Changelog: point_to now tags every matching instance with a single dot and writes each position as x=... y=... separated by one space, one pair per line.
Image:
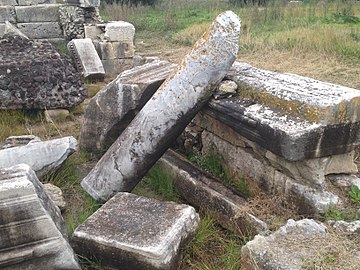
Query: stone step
x=208 y=193
x=132 y=232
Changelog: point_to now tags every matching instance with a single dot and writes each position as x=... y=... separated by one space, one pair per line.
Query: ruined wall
x=49 y=19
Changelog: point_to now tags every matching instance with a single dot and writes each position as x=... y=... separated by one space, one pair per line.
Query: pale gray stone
x=168 y=112
x=94 y=32
x=113 y=107
x=41 y=156
x=119 y=31
x=116 y=66
x=345 y=180
x=41 y=30
x=283 y=249
x=7 y=13
x=226 y=88
x=133 y=232
x=13 y=141
x=114 y=50
x=38 y=13
x=33 y=233
x=210 y=194
x=86 y=58
x=8 y=3
x=56 y=195
x=53 y=115
x=83 y=3
x=2 y=29
x=35 y=2
x=347 y=227
x=10 y=29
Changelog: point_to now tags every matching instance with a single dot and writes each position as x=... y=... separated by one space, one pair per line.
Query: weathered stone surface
x=112 y=108
x=290 y=137
x=72 y=19
x=119 y=31
x=168 y=112
x=8 y=2
x=53 y=115
x=38 y=13
x=32 y=231
x=10 y=29
x=86 y=58
x=132 y=232
x=35 y=2
x=94 y=32
x=283 y=249
x=83 y=3
x=7 y=13
x=116 y=66
x=2 y=29
x=347 y=227
x=13 y=141
x=41 y=30
x=314 y=100
x=208 y=193
x=225 y=89
x=249 y=163
x=114 y=50
x=344 y=180
x=56 y=195
x=33 y=75
x=42 y=157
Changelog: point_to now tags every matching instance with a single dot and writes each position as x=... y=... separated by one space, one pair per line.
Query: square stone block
x=133 y=232
x=119 y=31
x=38 y=13
x=114 y=50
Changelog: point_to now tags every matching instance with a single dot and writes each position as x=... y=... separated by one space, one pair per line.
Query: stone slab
x=38 y=13
x=114 y=50
x=286 y=136
x=7 y=13
x=32 y=230
x=35 y=2
x=205 y=192
x=112 y=108
x=41 y=30
x=119 y=31
x=86 y=58
x=168 y=112
x=314 y=100
x=42 y=157
x=133 y=232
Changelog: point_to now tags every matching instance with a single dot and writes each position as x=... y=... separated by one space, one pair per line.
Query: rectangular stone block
x=114 y=50
x=94 y=32
x=7 y=13
x=35 y=2
x=41 y=30
x=8 y=3
x=38 y=13
x=119 y=31
x=313 y=100
x=116 y=66
x=133 y=232
x=86 y=58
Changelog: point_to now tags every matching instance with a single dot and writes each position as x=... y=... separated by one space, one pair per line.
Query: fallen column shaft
x=168 y=112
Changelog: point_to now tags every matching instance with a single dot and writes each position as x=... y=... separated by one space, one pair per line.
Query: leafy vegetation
x=354 y=194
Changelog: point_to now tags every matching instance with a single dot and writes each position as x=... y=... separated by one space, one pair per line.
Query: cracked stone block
x=114 y=50
x=41 y=156
x=41 y=30
x=119 y=32
x=133 y=232
x=32 y=230
x=113 y=107
x=168 y=112
x=314 y=100
x=86 y=58
x=208 y=193
x=38 y=13
x=7 y=13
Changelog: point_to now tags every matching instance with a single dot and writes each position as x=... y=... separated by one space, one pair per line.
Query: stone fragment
x=41 y=30
x=10 y=29
x=32 y=230
x=114 y=50
x=35 y=2
x=56 y=195
x=119 y=31
x=112 y=108
x=344 y=180
x=225 y=89
x=133 y=232
x=53 y=115
x=314 y=100
x=35 y=76
x=208 y=193
x=42 y=157
x=167 y=113
x=86 y=58
x=38 y=13
x=7 y=13
x=347 y=227
x=13 y=141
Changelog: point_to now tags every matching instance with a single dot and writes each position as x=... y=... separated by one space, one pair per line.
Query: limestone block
x=132 y=232
x=119 y=31
x=292 y=138
x=56 y=195
x=32 y=230
x=114 y=50
x=285 y=248
x=35 y=2
x=42 y=157
x=86 y=58
x=8 y=3
x=112 y=108
x=7 y=13
x=38 y=13
x=116 y=66
x=94 y=32
x=168 y=112
x=41 y=30
x=314 y=100
x=83 y=3
x=208 y=193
